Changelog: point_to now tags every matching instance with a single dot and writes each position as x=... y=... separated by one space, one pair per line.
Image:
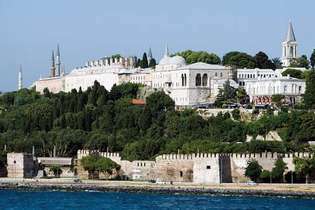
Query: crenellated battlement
x=83 y=153
x=264 y=155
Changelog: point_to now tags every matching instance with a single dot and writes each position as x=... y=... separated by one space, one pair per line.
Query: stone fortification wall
x=198 y=168
x=111 y=155
x=20 y=165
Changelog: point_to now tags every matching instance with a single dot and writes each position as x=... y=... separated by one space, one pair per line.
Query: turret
x=289 y=47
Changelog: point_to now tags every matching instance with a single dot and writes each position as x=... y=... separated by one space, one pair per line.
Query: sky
x=91 y=29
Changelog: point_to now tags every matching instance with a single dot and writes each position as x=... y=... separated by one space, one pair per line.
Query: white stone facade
x=187 y=85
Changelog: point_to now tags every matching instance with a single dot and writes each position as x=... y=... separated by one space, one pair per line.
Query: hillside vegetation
x=106 y=120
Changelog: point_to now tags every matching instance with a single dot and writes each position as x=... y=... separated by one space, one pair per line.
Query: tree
x=277 y=62
x=265 y=176
x=239 y=60
x=278 y=170
x=277 y=99
x=56 y=170
x=242 y=96
x=3 y=159
x=309 y=95
x=253 y=170
x=226 y=95
x=158 y=103
x=144 y=62
x=236 y=114
x=199 y=56
x=304 y=166
x=301 y=62
x=95 y=163
x=294 y=73
x=152 y=63
x=312 y=59
x=263 y=62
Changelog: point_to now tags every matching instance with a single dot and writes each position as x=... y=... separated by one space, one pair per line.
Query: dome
x=165 y=60
x=176 y=60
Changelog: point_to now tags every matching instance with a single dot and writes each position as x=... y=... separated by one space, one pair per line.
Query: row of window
x=201 y=81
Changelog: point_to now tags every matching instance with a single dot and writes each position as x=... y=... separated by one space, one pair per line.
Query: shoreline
x=292 y=190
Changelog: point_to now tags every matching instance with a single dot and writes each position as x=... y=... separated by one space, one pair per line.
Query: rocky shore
x=296 y=190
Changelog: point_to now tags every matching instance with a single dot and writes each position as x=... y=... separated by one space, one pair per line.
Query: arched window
x=291 y=51
x=221 y=74
x=204 y=80
x=183 y=80
x=198 y=80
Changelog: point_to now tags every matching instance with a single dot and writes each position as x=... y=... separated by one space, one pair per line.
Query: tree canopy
x=294 y=73
x=239 y=60
x=95 y=163
x=199 y=56
x=253 y=170
x=309 y=95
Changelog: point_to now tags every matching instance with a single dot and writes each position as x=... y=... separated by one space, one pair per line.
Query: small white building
x=261 y=90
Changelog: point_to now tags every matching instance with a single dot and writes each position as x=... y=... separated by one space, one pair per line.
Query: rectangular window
x=208 y=167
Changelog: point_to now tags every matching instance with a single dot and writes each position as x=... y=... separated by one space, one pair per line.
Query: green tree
x=265 y=176
x=158 y=103
x=56 y=170
x=312 y=59
x=95 y=164
x=144 y=62
x=253 y=170
x=199 y=56
x=294 y=73
x=278 y=170
x=242 y=96
x=277 y=63
x=277 y=100
x=239 y=60
x=226 y=95
x=301 y=62
x=304 y=166
x=263 y=62
x=309 y=95
x=152 y=63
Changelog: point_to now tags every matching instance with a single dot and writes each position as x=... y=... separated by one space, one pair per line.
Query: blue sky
x=90 y=29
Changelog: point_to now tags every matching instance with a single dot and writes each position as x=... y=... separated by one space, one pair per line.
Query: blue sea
x=12 y=199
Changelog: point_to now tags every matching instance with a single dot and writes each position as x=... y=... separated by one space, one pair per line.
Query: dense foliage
x=309 y=96
x=253 y=170
x=95 y=163
x=294 y=73
x=199 y=56
x=102 y=120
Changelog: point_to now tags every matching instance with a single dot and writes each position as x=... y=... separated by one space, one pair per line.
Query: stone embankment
x=298 y=190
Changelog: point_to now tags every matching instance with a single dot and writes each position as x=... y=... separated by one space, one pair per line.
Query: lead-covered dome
x=175 y=60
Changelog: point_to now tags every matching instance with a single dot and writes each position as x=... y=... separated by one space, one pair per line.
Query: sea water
x=23 y=199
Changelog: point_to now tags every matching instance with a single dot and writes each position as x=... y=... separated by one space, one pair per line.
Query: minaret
x=166 y=52
x=289 y=47
x=20 y=79
x=53 y=66
x=58 y=62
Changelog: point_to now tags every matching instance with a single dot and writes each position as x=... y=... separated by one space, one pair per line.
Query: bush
x=236 y=114
x=95 y=164
x=253 y=170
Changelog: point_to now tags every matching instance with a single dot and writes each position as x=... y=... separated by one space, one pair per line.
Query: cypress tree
x=144 y=61
x=152 y=63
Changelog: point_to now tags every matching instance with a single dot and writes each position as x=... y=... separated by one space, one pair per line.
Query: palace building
x=187 y=84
